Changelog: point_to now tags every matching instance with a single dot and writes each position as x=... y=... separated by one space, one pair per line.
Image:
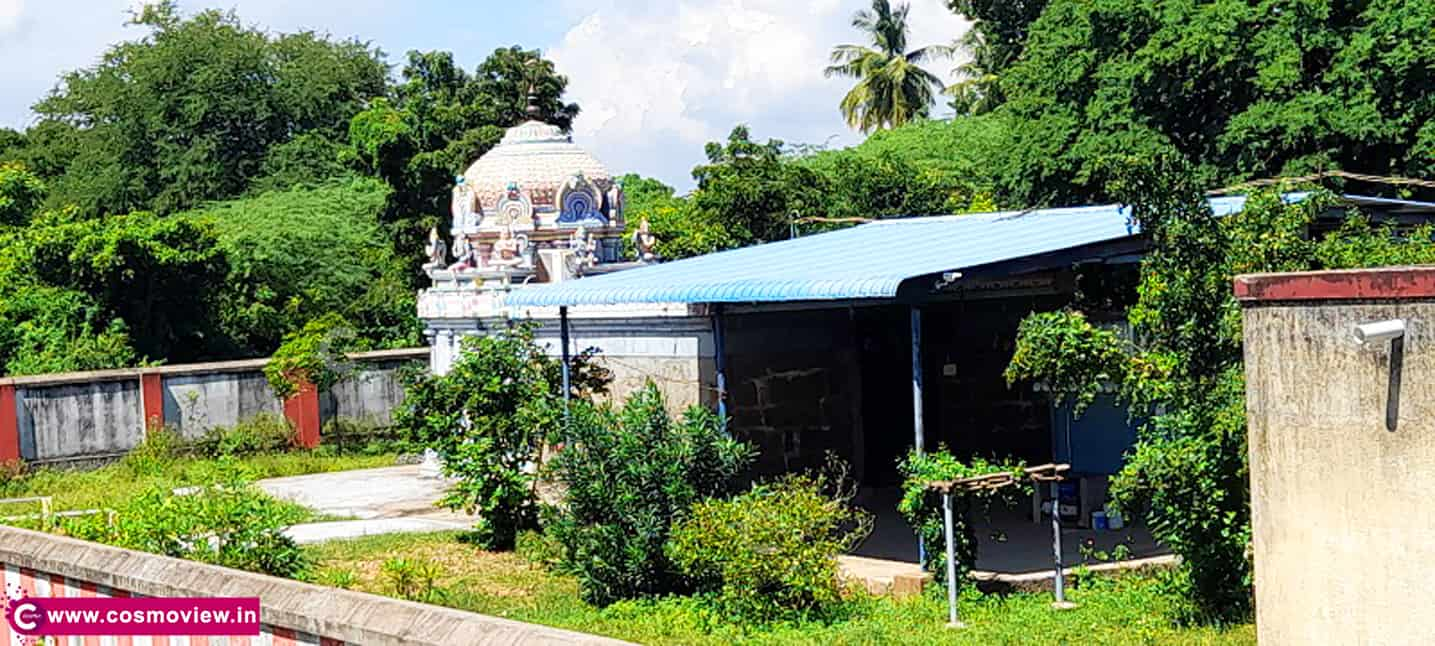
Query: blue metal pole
x=919 y=440
x=563 y=340
x=918 y=432
x=720 y=363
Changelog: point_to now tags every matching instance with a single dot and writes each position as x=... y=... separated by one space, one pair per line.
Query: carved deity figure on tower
x=437 y=251
x=464 y=208
x=615 y=204
x=507 y=251
x=465 y=257
x=585 y=248
x=645 y=242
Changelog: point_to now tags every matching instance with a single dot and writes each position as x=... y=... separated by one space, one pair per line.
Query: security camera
x=1380 y=331
x=948 y=277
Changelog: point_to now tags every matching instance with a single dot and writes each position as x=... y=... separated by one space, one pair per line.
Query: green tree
x=488 y=418
x=995 y=41
x=1188 y=469
x=437 y=120
x=892 y=88
x=296 y=255
x=753 y=193
x=157 y=275
x=20 y=193
x=1242 y=88
x=189 y=112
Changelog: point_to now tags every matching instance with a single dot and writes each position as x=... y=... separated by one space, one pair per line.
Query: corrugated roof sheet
x=867 y=261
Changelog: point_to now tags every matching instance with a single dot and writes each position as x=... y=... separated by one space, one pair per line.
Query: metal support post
x=563 y=341
x=1059 y=584
x=952 y=620
x=919 y=439
x=720 y=363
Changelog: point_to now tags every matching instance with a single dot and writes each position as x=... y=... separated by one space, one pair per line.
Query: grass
x=1121 y=610
x=112 y=485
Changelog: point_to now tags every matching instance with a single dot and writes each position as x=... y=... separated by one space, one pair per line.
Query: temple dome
x=540 y=159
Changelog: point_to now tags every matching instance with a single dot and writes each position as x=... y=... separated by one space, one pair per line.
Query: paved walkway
x=380 y=501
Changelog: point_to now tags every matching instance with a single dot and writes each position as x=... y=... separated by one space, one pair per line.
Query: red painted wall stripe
x=152 y=400
x=88 y=590
x=1386 y=283
x=302 y=410
x=284 y=637
x=9 y=425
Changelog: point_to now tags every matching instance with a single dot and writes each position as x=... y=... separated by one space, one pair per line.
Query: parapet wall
x=96 y=415
x=44 y=565
x=1340 y=499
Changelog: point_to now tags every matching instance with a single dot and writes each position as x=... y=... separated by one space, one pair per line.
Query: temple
x=537 y=208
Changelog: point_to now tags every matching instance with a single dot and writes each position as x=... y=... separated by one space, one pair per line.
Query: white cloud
x=10 y=12
x=658 y=80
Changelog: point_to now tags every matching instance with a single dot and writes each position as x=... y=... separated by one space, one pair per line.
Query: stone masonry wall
x=794 y=387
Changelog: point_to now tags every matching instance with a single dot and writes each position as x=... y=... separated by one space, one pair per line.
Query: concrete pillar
x=9 y=425
x=444 y=347
x=152 y=401
x=302 y=410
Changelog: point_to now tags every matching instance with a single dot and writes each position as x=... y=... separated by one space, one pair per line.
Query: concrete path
x=383 y=501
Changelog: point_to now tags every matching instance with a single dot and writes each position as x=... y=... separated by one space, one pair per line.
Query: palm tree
x=892 y=88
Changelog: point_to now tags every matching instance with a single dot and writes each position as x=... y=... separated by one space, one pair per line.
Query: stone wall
x=1340 y=503
x=99 y=415
x=794 y=388
x=676 y=354
x=44 y=565
x=674 y=351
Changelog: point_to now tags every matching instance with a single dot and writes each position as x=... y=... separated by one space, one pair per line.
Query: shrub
x=629 y=475
x=413 y=579
x=229 y=523
x=770 y=553
x=313 y=354
x=360 y=435
x=922 y=507
x=487 y=419
x=342 y=578
x=154 y=455
x=263 y=433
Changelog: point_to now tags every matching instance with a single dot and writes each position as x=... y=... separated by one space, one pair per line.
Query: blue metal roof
x=866 y=261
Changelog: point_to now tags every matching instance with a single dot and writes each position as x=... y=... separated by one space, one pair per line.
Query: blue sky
x=656 y=79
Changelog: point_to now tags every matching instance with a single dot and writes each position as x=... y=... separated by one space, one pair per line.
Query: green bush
x=312 y=355
x=770 y=553
x=413 y=579
x=487 y=418
x=628 y=476
x=347 y=435
x=263 y=433
x=922 y=507
x=155 y=454
x=229 y=522
x=539 y=548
